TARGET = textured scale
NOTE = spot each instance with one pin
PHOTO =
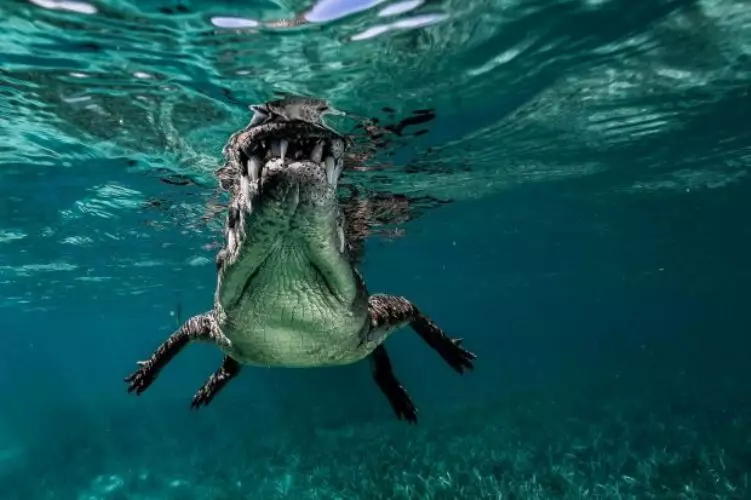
(289, 318)
(288, 292)
(292, 298)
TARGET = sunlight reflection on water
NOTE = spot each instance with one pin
(325, 11)
(330, 10)
(409, 23)
(234, 22)
(524, 92)
(71, 6)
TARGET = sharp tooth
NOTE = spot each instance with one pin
(254, 168)
(331, 170)
(245, 187)
(341, 239)
(317, 152)
(231, 241)
(283, 148)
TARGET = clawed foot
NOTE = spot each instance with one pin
(202, 397)
(205, 394)
(459, 358)
(384, 376)
(229, 370)
(450, 349)
(400, 401)
(141, 379)
(388, 311)
(200, 327)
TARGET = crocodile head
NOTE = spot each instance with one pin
(282, 172)
(287, 161)
(290, 163)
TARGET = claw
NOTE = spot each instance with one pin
(141, 379)
(197, 402)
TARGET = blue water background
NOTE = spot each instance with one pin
(604, 285)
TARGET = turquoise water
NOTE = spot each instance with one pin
(575, 207)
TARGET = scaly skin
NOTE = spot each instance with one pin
(288, 292)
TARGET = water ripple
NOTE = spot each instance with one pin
(103, 105)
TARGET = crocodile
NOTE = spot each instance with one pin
(289, 292)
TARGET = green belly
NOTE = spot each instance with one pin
(288, 316)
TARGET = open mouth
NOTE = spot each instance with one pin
(282, 143)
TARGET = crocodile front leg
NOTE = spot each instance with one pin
(384, 376)
(203, 327)
(229, 370)
(388, 313)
